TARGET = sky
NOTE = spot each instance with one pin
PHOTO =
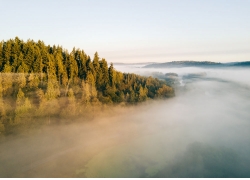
(135, 31)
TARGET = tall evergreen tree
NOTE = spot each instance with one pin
(7, 52)
(47, 73)
(112, 75)
(105, 75)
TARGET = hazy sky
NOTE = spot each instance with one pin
(135, 30)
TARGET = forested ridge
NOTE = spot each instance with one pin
(42, 84)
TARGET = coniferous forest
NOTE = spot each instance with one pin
(43, 84)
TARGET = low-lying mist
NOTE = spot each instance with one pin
(201, 132)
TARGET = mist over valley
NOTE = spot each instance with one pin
(125, 89)
(201, 132)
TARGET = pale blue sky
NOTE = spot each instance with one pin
(135, 30)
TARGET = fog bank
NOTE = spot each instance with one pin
(202, 132)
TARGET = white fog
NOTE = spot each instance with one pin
(201, 132)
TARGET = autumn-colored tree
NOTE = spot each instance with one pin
(165, 91)
(86, 94)
(70, 109)
(33, 81)
(142, 94)
(50, 80)
(23, 106)
(71, 102)
(7, 78)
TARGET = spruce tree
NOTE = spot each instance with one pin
(112, 76)
(7, 52)
(105, 75)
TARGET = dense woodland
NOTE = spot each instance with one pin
(43, 84)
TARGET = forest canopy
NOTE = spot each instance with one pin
(38, 80)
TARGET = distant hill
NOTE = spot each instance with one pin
(133, 64)
(197, 64)
(245, 63)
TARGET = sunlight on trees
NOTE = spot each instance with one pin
(44, 82)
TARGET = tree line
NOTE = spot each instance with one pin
(38, 80)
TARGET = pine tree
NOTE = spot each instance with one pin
(52, 72)
(96, 62)
(16, 49)
(82, 71)
(73, 68)
(90, 79)
(105, 75)
(38, 65)
(112, 75)
(98, 71)
(53, 90)
(90, 67)
(7, 52)
(20, 65)
(61, 73)
(7, 68)
(30, 53)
